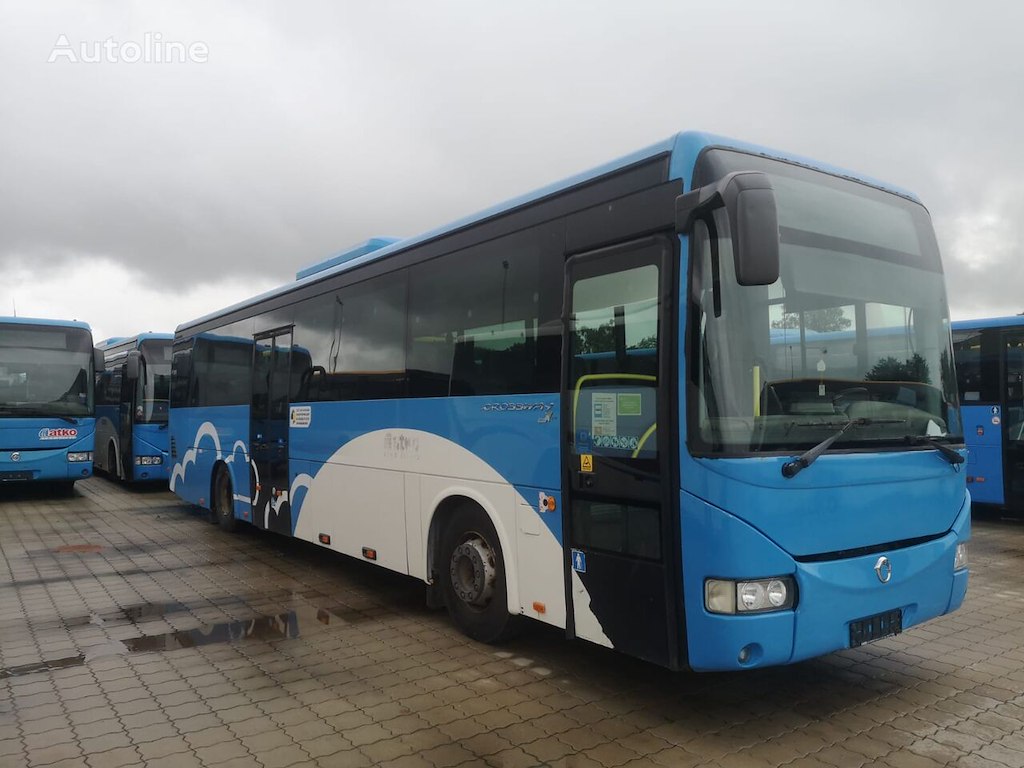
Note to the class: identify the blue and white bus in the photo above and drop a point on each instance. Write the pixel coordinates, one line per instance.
(570, 408)
(46, 400)
(132, 407)
(989, 358)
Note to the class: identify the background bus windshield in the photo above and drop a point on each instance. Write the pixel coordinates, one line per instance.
(44, 371)
(155, 383)
(856, 327)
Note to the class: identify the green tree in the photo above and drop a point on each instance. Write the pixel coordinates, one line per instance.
(828, 319)
(894, 369)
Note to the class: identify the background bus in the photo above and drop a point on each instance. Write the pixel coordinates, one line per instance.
(131, 407)
(990, 373)
(647, 470)
(46, 400)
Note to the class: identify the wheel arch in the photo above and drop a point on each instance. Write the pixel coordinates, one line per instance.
(441, 511)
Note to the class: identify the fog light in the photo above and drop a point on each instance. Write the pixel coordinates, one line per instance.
(960, 561)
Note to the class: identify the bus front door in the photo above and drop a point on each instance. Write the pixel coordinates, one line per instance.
(268, 431)
(621, 530)
(1013, 422)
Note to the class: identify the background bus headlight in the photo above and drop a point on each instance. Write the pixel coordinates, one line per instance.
(749, 596)
(80, 456)
(149, 461)
(960, 561)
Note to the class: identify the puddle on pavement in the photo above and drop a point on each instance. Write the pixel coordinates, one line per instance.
(287, 625)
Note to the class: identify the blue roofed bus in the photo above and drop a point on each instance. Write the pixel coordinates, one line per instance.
(46, 401)
(132, 407)
(696, 405)
(989, 356)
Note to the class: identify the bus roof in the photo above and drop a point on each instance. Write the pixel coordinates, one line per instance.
(46, 321)
(137, 339)
(1012, 321)
(683, 149)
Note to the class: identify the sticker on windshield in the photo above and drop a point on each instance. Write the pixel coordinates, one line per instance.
(629, 404)
(602, 414)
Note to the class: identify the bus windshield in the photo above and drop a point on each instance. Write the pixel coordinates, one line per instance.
(856, 328)
(44, 371)
(154, 382)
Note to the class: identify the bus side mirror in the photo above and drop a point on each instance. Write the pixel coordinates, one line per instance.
(98, 360)
(132, 365)
(749, 201)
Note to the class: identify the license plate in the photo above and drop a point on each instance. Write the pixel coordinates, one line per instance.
(876, 627)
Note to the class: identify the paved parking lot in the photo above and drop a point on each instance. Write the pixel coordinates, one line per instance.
(134, 633)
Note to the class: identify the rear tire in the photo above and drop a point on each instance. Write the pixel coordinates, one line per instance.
(112, 472)
(222, 506)
(472, 576)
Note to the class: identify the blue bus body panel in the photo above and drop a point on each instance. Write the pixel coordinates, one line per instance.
(151, 440)
(844, 501)
(204, 436)
(516, 435)
(984, 453)
(830, 594)
(42, 446)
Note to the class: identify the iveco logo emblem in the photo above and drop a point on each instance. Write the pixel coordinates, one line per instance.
(16, 456)
(883, 569)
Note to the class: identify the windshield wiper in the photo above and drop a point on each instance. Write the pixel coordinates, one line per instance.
(802, 462)
(953, 457)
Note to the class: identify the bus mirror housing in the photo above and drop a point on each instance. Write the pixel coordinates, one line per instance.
(749, 200)
(132, 365)
(98, 360)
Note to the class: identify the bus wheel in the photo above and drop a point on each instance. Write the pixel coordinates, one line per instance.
(222, 510)
(473, 577)
(112, 472)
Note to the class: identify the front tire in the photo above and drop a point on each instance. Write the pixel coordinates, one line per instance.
(112, 472)
(222, 507)
(472, 576)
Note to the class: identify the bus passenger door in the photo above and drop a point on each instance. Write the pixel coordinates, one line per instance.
(1013, 421)
(268, 431)
(620, 520)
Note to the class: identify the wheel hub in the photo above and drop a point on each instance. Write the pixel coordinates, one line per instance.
(473, 572)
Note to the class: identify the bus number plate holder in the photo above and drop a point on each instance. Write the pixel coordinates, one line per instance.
(872, 628)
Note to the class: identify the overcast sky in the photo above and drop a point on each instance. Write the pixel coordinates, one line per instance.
(139, 195)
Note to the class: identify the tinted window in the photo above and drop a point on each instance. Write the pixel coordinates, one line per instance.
(976, 354)
(222, 365)
(350, 344)
(485, 321)
(181, 369)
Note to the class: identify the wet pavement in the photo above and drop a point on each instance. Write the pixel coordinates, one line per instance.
(132, 632)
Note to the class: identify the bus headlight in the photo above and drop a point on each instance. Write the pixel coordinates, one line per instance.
(960, 561)
(751, 596)
(149, 461)
(80, 456)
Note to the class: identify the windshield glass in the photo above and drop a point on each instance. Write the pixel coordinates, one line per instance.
(44, 371)
(154, 382)
(855, 328)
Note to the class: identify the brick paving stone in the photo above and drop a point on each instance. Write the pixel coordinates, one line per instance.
(409, 687)
(115, 758)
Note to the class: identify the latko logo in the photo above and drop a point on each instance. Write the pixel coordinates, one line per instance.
(57, 434)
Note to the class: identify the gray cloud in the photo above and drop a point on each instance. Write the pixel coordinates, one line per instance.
(313, 126)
